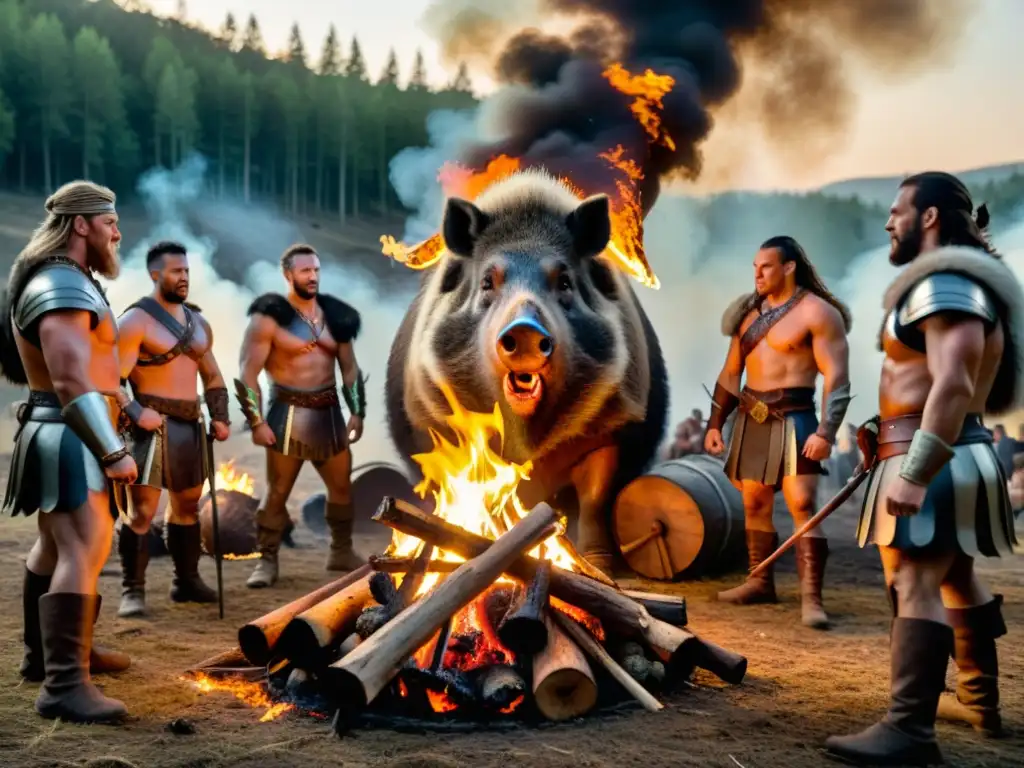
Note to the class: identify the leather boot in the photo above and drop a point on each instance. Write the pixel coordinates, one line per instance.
(32, 669)
(811, 555)
(134, 552)
(265, 572)
(341, 557)
(760, 589)
(185, 544)
(976, 701)
(66, 621)
(919, 651)
(593, 541)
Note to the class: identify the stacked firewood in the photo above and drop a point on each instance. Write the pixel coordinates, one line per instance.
(362, 639)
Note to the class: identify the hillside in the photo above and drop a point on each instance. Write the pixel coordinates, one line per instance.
(878, 190)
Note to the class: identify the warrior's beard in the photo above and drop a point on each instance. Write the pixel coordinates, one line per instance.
(172, 296)
(106, 263)
(305, 293)
(907, 247)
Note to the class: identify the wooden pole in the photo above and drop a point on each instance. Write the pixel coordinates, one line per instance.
(563, 682)
(359, 677)
(668, 608)
(307, 638)
(681, 650)
(258, 638)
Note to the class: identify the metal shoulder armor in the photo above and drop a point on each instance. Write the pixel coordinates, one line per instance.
(52, 289)
(947, 292)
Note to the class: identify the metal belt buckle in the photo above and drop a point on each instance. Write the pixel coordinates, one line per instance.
(759, 412)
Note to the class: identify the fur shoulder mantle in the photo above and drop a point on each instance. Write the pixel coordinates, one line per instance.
(1002, 284)
(342, 319)
(733, 316)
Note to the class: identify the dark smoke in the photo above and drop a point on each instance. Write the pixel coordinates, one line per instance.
(560, 112)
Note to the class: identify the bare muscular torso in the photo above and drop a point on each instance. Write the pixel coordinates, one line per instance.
(784, 357)
(177, 379)
(102, 367)
(906, 380)
(296, 363)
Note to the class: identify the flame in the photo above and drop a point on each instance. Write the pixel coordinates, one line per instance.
(252, 694)
(626, 246)
(439, 701)
(649, 88)
(473, 488)
(230, 480)
(250, 556)
(513, 706)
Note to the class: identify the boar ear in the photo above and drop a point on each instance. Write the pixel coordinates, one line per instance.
(463, 224)
(591, 226)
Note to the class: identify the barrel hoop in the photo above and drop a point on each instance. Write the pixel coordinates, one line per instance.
(721, 497)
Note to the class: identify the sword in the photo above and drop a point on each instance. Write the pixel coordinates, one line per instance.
(834, 503)
(211, 474)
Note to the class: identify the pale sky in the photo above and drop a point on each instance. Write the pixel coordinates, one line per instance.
(966, 113)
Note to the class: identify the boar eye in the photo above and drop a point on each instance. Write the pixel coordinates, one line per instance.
(487, 283)
(564, 282)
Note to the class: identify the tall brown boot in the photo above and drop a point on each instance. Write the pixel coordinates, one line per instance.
(761, 588)
(133, 550)
(265, 573)
(66, 620)
(32, 669)
(919, 651)
(976, 701)
(811, 555)
(342, 557)
(185, 544)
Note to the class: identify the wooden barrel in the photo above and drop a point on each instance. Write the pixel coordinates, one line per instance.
(370, 483)
(683, 519)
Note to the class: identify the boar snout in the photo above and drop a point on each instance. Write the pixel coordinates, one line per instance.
(525, 344)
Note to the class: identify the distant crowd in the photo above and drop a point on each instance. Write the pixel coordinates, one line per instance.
(689, 440)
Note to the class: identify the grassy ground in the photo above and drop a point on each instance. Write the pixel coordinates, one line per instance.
(801, 685)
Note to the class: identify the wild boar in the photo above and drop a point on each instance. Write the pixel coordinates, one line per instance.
(522, 311)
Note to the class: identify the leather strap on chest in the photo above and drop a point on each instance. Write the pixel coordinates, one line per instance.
(764, 322)
(182, 334)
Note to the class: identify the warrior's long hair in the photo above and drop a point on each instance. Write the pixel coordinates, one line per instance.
(959, 224)
(807, 276)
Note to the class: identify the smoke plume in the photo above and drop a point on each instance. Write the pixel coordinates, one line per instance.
(224, 281)
(798, 56)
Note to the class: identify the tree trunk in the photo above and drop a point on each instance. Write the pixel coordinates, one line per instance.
(343, 172)
(222, 156)
(47, 172)
(382, 168)
(247, 153)
(156, 140)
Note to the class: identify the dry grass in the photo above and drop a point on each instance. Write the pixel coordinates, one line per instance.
(801, 685)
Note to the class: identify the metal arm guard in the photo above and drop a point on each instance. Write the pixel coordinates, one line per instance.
(250, 402)
(836, 403)
(355, 396)
(88, 416)
(723, 403)
(217, 404)
(927, 456)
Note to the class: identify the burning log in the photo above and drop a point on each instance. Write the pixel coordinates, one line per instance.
(258, 638)
(392, 564)
(681, 649)
(668, 608)
(524, 631)
(359, 677)
(413, 579)
(501, 687)
(497, 602)
(599, 654)
(229, 663)
(308, 636)
(372, 619)
(563, 683)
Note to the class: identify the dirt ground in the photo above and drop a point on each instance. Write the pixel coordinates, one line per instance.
(801, 685)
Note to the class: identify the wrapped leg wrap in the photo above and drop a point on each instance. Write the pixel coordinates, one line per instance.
(927, 456)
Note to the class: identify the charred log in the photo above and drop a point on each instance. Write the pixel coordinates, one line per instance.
(524, 630)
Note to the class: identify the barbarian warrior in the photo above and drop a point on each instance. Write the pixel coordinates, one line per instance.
(937, 496)
(298, 339)
(60, 339)
(164, 343)
(786, 333)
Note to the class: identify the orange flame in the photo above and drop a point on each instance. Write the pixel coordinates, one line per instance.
(439, 701)
(230, 480)
(649, 89)
(626, 245)
(252, 694)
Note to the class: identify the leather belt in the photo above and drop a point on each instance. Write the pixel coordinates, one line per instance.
(775, 403)
(182, 410)
(321, 398)
(896, 434)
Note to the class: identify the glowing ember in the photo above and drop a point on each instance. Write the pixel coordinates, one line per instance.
(230, 480)
(246, 692)
(648, 88)
(439, 701)
(250, 556)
